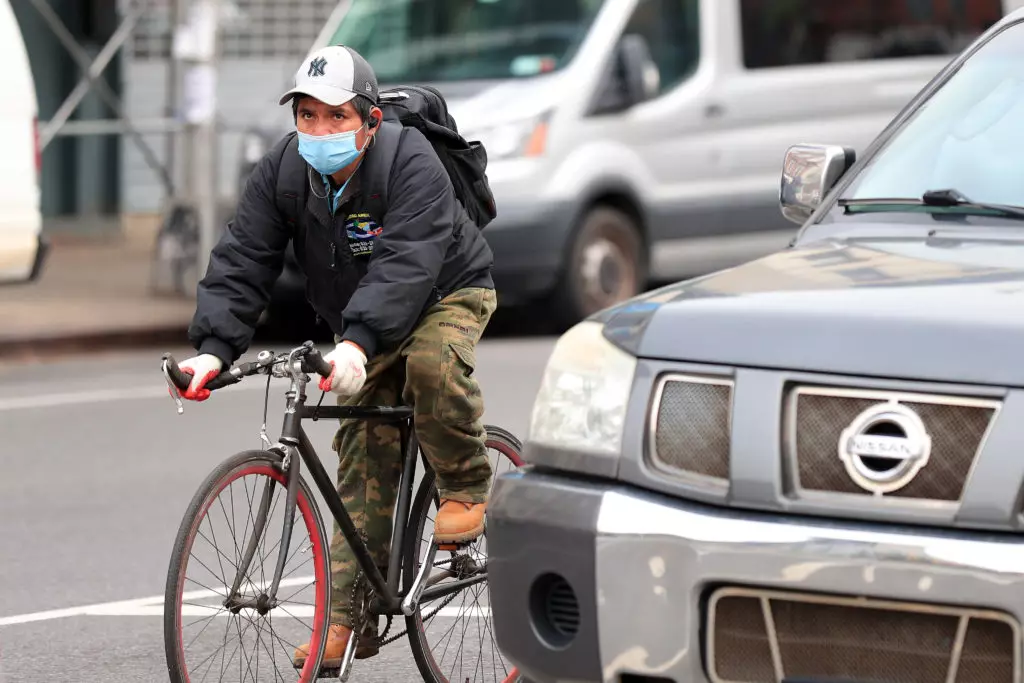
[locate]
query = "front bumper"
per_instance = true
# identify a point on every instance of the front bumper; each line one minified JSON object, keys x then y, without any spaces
{"x":42,"y":251}
{"x":642,"y":566}
{"x":529,"y":241}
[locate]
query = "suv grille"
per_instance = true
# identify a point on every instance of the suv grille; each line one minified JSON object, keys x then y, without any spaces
{"x":690,"y":426}
{"x":817,"y":419}
{"x":756,"y":636}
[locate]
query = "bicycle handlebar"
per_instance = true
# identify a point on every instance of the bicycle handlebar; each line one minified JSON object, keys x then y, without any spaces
{"x":312,"y":361}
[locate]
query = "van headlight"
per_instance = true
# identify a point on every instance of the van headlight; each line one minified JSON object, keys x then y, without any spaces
{"x":515,"y":139}
{"x":583,"y":397}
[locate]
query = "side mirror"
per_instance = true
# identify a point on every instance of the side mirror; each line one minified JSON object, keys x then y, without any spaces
{"x":640,"y":74}
{"x":631,"y":77}
{"x":809,"y":173}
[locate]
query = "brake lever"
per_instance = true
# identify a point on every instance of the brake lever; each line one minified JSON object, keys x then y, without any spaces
{"x":175,"y":394}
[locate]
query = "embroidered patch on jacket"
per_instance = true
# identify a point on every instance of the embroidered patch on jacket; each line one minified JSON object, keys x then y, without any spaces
{"x":362,"y":231}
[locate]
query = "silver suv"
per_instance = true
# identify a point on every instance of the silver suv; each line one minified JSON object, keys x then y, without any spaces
{"x":809,"y":467}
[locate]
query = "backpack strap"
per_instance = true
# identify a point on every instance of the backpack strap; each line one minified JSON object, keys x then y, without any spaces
{"x":291,"y":182}
{"x":380,"y":159}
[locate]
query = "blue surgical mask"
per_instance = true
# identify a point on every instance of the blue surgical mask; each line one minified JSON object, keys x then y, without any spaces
{"x":328,"y":154}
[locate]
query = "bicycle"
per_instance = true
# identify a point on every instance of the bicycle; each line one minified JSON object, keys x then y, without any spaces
{"x":250,"y":601}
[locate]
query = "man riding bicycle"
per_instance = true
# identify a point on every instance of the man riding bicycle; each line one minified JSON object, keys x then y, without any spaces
{"x":406,"y":289}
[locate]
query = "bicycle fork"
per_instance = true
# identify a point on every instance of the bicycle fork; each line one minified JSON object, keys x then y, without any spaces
{"x":267,"y":600}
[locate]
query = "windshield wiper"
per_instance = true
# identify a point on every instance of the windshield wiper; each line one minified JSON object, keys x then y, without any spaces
{"x":946,"y":198}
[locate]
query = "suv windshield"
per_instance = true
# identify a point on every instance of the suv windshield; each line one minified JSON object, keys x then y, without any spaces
{"x":451,"y":40}
{"x":968,"y":137}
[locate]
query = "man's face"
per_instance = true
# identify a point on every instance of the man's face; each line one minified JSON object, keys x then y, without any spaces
{"x":319,"y":118}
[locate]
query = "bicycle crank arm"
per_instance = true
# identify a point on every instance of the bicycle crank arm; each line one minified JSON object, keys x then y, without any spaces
{"x":346,"y":659}
{"x":412,"y":600}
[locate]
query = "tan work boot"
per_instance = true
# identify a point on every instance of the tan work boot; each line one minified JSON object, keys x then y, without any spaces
{"x":458,"y":522}
{"x":337,"y":639}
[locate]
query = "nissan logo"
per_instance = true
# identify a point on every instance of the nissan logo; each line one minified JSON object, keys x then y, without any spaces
{"x":885,"y":447}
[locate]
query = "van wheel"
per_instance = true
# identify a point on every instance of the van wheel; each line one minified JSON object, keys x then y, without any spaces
{"x":606,"y":265}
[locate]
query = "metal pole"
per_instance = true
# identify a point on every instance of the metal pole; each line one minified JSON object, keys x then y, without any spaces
{"x":206,"y":146}
{"x":172,"y":109}
{"x":198,"y":50}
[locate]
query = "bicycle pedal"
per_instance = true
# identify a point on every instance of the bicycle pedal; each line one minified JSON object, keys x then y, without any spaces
{"x":453,"y":547}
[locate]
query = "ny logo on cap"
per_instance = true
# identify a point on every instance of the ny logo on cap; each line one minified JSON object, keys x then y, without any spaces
{"x":316,"y":67}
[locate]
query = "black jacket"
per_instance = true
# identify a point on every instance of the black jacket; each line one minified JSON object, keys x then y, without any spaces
{"x":370,"y":279}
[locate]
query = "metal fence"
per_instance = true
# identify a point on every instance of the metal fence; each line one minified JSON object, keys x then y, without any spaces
{"x":252,"y":28}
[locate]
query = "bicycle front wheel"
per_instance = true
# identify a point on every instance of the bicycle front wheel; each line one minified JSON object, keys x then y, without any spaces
{"x":452,"y":638}
{"x":219,"y":621}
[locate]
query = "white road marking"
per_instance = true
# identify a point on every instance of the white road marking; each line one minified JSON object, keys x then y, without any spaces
{"x":109,"y":395}
{"x":154,"y":607}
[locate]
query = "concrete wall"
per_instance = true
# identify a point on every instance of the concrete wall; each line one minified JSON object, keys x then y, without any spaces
{"x":247,"y":94}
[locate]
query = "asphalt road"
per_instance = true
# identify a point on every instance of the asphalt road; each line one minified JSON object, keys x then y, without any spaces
{"x":97,"y":470}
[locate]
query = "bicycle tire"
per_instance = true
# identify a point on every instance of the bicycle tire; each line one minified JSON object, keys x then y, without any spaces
{"x":259,"y":462}
{"x":508,"y":445}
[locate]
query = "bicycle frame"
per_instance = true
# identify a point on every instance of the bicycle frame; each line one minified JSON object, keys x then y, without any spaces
{"x":294,"y":440}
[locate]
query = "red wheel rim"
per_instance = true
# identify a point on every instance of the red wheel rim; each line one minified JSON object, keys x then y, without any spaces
{"x":308,"y":674}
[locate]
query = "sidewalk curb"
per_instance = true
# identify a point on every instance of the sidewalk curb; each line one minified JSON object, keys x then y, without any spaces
{"x":87,"y":342}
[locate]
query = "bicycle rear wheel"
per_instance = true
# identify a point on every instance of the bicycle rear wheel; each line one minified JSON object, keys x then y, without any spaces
{"x":452,"y":638}
{"x":209,"y":637}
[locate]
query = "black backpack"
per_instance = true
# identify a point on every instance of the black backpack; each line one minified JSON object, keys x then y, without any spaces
{"x":420,"y":107}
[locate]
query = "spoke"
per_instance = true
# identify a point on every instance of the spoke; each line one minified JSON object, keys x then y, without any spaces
{"x":451,"y":632}
{"x":203,"y":586}
{"x":295,"y":618}
{"x":292,"y":571}
{"x":288,"y":599}
{"x":220,"y":554}
{"x":272,"y":653}
{"x":220,"y":562}
{"x":231,"y":528}
{"x":480,"y":639}
{"x":248,"y":660}
{"x":278,"y":544}
{"x":203,"y":564}
{"x":222,"y":648}
{"x":208,"y":620}
{"x":234,"y":526}
{"x":461,"y":656}
{"x":223,"y":665}
{"x":284,"y":642}
{"x":209,"y":657}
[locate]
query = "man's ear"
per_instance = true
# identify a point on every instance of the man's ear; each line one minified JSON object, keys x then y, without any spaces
{"x":374,"y":120}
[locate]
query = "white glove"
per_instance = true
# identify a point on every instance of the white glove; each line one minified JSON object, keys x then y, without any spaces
{"x":203,"y":368}
{"x":349,"y":370}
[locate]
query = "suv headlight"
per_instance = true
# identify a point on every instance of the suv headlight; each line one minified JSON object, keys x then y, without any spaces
{"x":583,"y":397}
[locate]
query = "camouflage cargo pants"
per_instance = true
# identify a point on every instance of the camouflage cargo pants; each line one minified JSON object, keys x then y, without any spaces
{"x":433,"y":372}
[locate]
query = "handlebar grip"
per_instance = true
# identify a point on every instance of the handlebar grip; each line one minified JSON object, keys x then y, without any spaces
{"x":181,"y":379}
{"x":319,"y":365}
{"x":224,"y":379}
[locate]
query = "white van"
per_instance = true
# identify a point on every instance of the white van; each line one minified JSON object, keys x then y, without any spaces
{"x":639,"y":141}
{"x":22,"y":249}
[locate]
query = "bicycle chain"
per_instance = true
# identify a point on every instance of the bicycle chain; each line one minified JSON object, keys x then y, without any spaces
{"x":382,"y":640}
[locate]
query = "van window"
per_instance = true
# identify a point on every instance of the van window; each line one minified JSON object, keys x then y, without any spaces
{"x":454,"y":40}
{"x":819,"y":31}
{"x":672,"y":31}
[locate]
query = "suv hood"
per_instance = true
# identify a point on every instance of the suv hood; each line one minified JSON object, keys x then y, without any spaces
{"x":943,"y":311}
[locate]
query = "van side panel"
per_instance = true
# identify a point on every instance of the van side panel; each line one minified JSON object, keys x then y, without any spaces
{"x":20,"y":219}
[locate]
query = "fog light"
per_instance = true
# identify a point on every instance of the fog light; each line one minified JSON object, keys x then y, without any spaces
{"x":554,"y":610}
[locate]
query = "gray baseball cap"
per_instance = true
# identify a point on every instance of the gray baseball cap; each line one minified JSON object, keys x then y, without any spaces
{"x":334,"y":75}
